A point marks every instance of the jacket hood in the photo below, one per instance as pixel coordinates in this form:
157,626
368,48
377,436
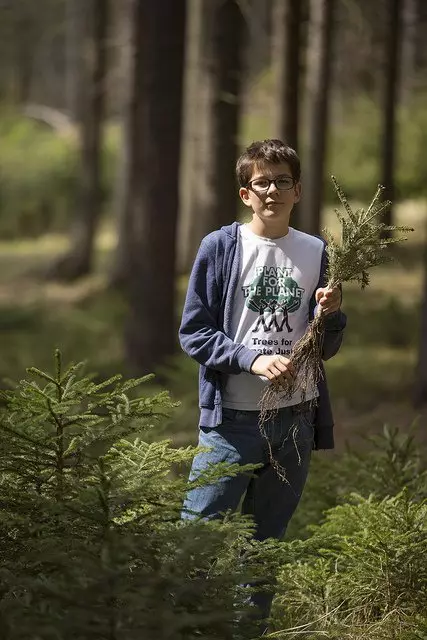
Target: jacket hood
231,229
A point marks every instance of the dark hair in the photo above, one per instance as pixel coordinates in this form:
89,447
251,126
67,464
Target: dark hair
266,152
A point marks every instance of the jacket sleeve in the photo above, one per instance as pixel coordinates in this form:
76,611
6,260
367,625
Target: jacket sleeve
334,322
199,334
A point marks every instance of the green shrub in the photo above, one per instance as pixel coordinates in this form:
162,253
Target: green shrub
92,544
362,573
91,540
385,465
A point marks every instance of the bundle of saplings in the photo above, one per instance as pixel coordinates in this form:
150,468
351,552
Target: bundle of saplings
364,244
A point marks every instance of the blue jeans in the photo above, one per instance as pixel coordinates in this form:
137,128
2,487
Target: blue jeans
270,500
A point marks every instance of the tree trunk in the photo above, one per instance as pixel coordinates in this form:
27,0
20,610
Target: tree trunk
196,121
209,194
79,261
287,18
120,263
155,121
73,47
286,58
25,41
420,386
226,70
319,77
390,100
409,42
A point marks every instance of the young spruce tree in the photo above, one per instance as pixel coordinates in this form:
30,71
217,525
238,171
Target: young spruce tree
91,540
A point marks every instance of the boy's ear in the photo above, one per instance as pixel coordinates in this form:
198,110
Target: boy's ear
298,191
244,196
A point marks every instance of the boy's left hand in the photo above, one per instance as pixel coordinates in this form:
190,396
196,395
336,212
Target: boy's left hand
329,299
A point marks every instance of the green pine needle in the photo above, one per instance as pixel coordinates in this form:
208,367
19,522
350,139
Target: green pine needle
362,240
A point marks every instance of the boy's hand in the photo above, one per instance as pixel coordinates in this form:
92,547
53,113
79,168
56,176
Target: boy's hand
329,299
277,368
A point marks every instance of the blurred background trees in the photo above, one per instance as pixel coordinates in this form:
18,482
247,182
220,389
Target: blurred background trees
120,124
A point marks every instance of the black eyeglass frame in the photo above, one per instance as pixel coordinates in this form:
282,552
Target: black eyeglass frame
270,181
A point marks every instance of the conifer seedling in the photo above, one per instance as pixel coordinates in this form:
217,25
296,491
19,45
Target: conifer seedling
364,243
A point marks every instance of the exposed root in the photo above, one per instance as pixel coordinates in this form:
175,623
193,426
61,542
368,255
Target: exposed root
281,471
306,358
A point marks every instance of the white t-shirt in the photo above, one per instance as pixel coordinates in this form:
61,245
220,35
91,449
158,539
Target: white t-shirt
271,306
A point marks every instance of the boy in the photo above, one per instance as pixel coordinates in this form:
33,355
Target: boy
253,289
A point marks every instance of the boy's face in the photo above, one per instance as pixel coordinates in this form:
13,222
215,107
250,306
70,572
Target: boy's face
271,203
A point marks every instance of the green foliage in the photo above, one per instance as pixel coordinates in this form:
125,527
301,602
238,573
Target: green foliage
355,147
38,177
92,544
363,242
363,571
385,465
354,143
39,174
89,328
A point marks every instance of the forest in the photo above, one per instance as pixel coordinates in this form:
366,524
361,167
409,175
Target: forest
120,126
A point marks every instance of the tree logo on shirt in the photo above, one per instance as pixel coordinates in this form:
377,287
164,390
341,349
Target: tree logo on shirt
273,291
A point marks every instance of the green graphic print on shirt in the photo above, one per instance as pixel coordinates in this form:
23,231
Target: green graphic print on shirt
273,291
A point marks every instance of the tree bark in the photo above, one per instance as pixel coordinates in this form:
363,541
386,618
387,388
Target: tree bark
78,261
225,69
319,78
420,386
155,120
390,101
196,121
128,58
287,18
286,57
409,43
73,76
209,194
25,40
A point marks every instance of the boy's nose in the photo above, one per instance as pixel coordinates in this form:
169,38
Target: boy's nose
271,188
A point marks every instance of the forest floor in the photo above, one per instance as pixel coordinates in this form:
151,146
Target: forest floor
371,380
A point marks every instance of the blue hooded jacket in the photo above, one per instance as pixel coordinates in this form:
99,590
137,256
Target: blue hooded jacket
206,327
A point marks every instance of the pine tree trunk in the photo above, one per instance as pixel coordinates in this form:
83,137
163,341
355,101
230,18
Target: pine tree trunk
319,77
24,64
226,70
420,386
210,190
287,18
409,36
286,57
390,100
196,119
120,263
155,121
79,261
73,89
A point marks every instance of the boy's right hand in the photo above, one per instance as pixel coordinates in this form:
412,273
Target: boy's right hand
274,368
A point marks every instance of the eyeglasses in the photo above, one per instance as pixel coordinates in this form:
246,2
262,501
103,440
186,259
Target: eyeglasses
261,185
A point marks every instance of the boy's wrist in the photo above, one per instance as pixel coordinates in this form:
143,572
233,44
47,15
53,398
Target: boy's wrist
253,362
